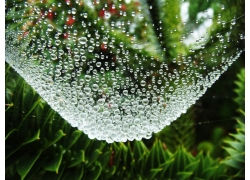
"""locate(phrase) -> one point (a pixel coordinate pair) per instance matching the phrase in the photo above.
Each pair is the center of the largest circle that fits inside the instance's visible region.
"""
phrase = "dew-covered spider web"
(122, 69)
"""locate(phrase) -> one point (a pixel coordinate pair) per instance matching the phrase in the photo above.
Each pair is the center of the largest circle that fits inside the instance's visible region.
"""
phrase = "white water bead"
(98, 64)
(82, 40)
(53, 57)
(90, 48)
(87, 78)
(143, 83)
(95, 87)
(50, 27)
(105, 40)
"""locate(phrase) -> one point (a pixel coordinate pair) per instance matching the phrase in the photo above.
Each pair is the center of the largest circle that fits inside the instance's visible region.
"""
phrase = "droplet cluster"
(90, 64)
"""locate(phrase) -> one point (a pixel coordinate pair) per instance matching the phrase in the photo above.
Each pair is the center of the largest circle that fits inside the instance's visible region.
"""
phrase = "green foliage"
(235, 145)
(240, 90)
(169, 21)
(181, 132)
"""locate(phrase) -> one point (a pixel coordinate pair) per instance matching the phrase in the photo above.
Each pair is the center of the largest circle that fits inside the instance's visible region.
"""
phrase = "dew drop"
(95, 87)
(90, 48)
(53, 57)
(50, 28)
(82, 40)
(233, 21)
(73, 11)
(106, 114)
(121, 44)
(143, 83)
(125, 92)
(105, 40)
(57, 42)
(88, 78)
(98, 64)
(171, 88)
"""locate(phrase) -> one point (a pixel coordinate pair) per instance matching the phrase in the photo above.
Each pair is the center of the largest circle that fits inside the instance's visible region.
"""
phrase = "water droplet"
(221, 39)
(105, 40)
(73, 11)
(143, 83)
(60, 52)
(90, 48)
(57, 42)
(87, 90)
(88, 78)
(50, 28)
(53, 57)
(102, 70)
(125, 92)
(98, 64)
(77, 58)
(83, 24)
(83, 40)
(95, 87)
(121, 44)
(106, 114)
(171, 88)
(233, 21)
(83, 58)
